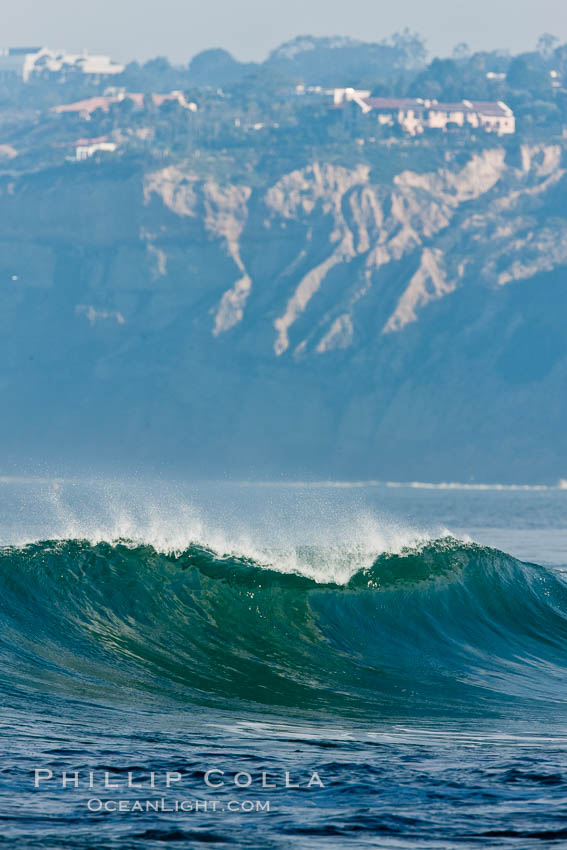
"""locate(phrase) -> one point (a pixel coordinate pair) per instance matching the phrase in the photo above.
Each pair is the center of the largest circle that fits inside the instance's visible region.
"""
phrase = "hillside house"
(415, 115)
(25, 62)
(86, 148)
(86, 107)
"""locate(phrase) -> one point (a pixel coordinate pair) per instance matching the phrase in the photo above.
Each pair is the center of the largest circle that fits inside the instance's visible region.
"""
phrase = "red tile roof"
(494, 108)
(450, 107)
(91, 141)
(394, 103)
(92, 103)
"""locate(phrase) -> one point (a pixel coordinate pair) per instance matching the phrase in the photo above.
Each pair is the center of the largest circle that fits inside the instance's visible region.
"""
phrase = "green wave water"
(446, 627)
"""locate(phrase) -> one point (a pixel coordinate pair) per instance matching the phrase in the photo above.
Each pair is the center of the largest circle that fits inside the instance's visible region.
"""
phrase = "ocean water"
(282, 665)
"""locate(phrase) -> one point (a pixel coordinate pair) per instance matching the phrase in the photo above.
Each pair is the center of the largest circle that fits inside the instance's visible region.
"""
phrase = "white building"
(17, 61)
(349, 94)
(415, 115)
(407, 112)
(27, 61)
(85, 108)
(495, 117)
(83, 152)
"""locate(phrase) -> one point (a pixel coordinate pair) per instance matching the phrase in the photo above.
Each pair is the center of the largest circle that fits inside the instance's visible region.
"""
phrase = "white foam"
(304, 533)
(416, 485)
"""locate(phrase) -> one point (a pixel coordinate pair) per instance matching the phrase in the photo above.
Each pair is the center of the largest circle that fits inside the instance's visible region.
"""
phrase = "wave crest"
(444, 626)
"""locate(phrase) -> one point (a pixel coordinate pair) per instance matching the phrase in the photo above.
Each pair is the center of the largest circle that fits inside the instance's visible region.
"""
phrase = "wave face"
(446, 627)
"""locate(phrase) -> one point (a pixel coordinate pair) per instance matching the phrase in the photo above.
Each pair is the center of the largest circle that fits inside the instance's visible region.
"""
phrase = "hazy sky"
(140, 29)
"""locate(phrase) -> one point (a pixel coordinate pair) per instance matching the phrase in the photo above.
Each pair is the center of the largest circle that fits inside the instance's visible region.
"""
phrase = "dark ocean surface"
(313, 666)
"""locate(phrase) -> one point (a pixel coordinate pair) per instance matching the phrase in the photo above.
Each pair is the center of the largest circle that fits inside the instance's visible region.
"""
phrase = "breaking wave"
(442, 627)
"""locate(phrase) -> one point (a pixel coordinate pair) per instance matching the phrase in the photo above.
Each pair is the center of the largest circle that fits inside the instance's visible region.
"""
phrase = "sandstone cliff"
(316, 323)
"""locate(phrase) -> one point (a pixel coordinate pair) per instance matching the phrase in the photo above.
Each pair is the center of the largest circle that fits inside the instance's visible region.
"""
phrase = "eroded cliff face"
(350, 327)
(476, 224)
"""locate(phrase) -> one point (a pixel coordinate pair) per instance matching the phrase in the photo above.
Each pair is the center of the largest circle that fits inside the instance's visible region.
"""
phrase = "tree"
(521, 75)
(411, 46)
(461, 51)
(560, 61)
(159, 65)
(381, 89)
(546, 45)
(442, 79)
(215, 67)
